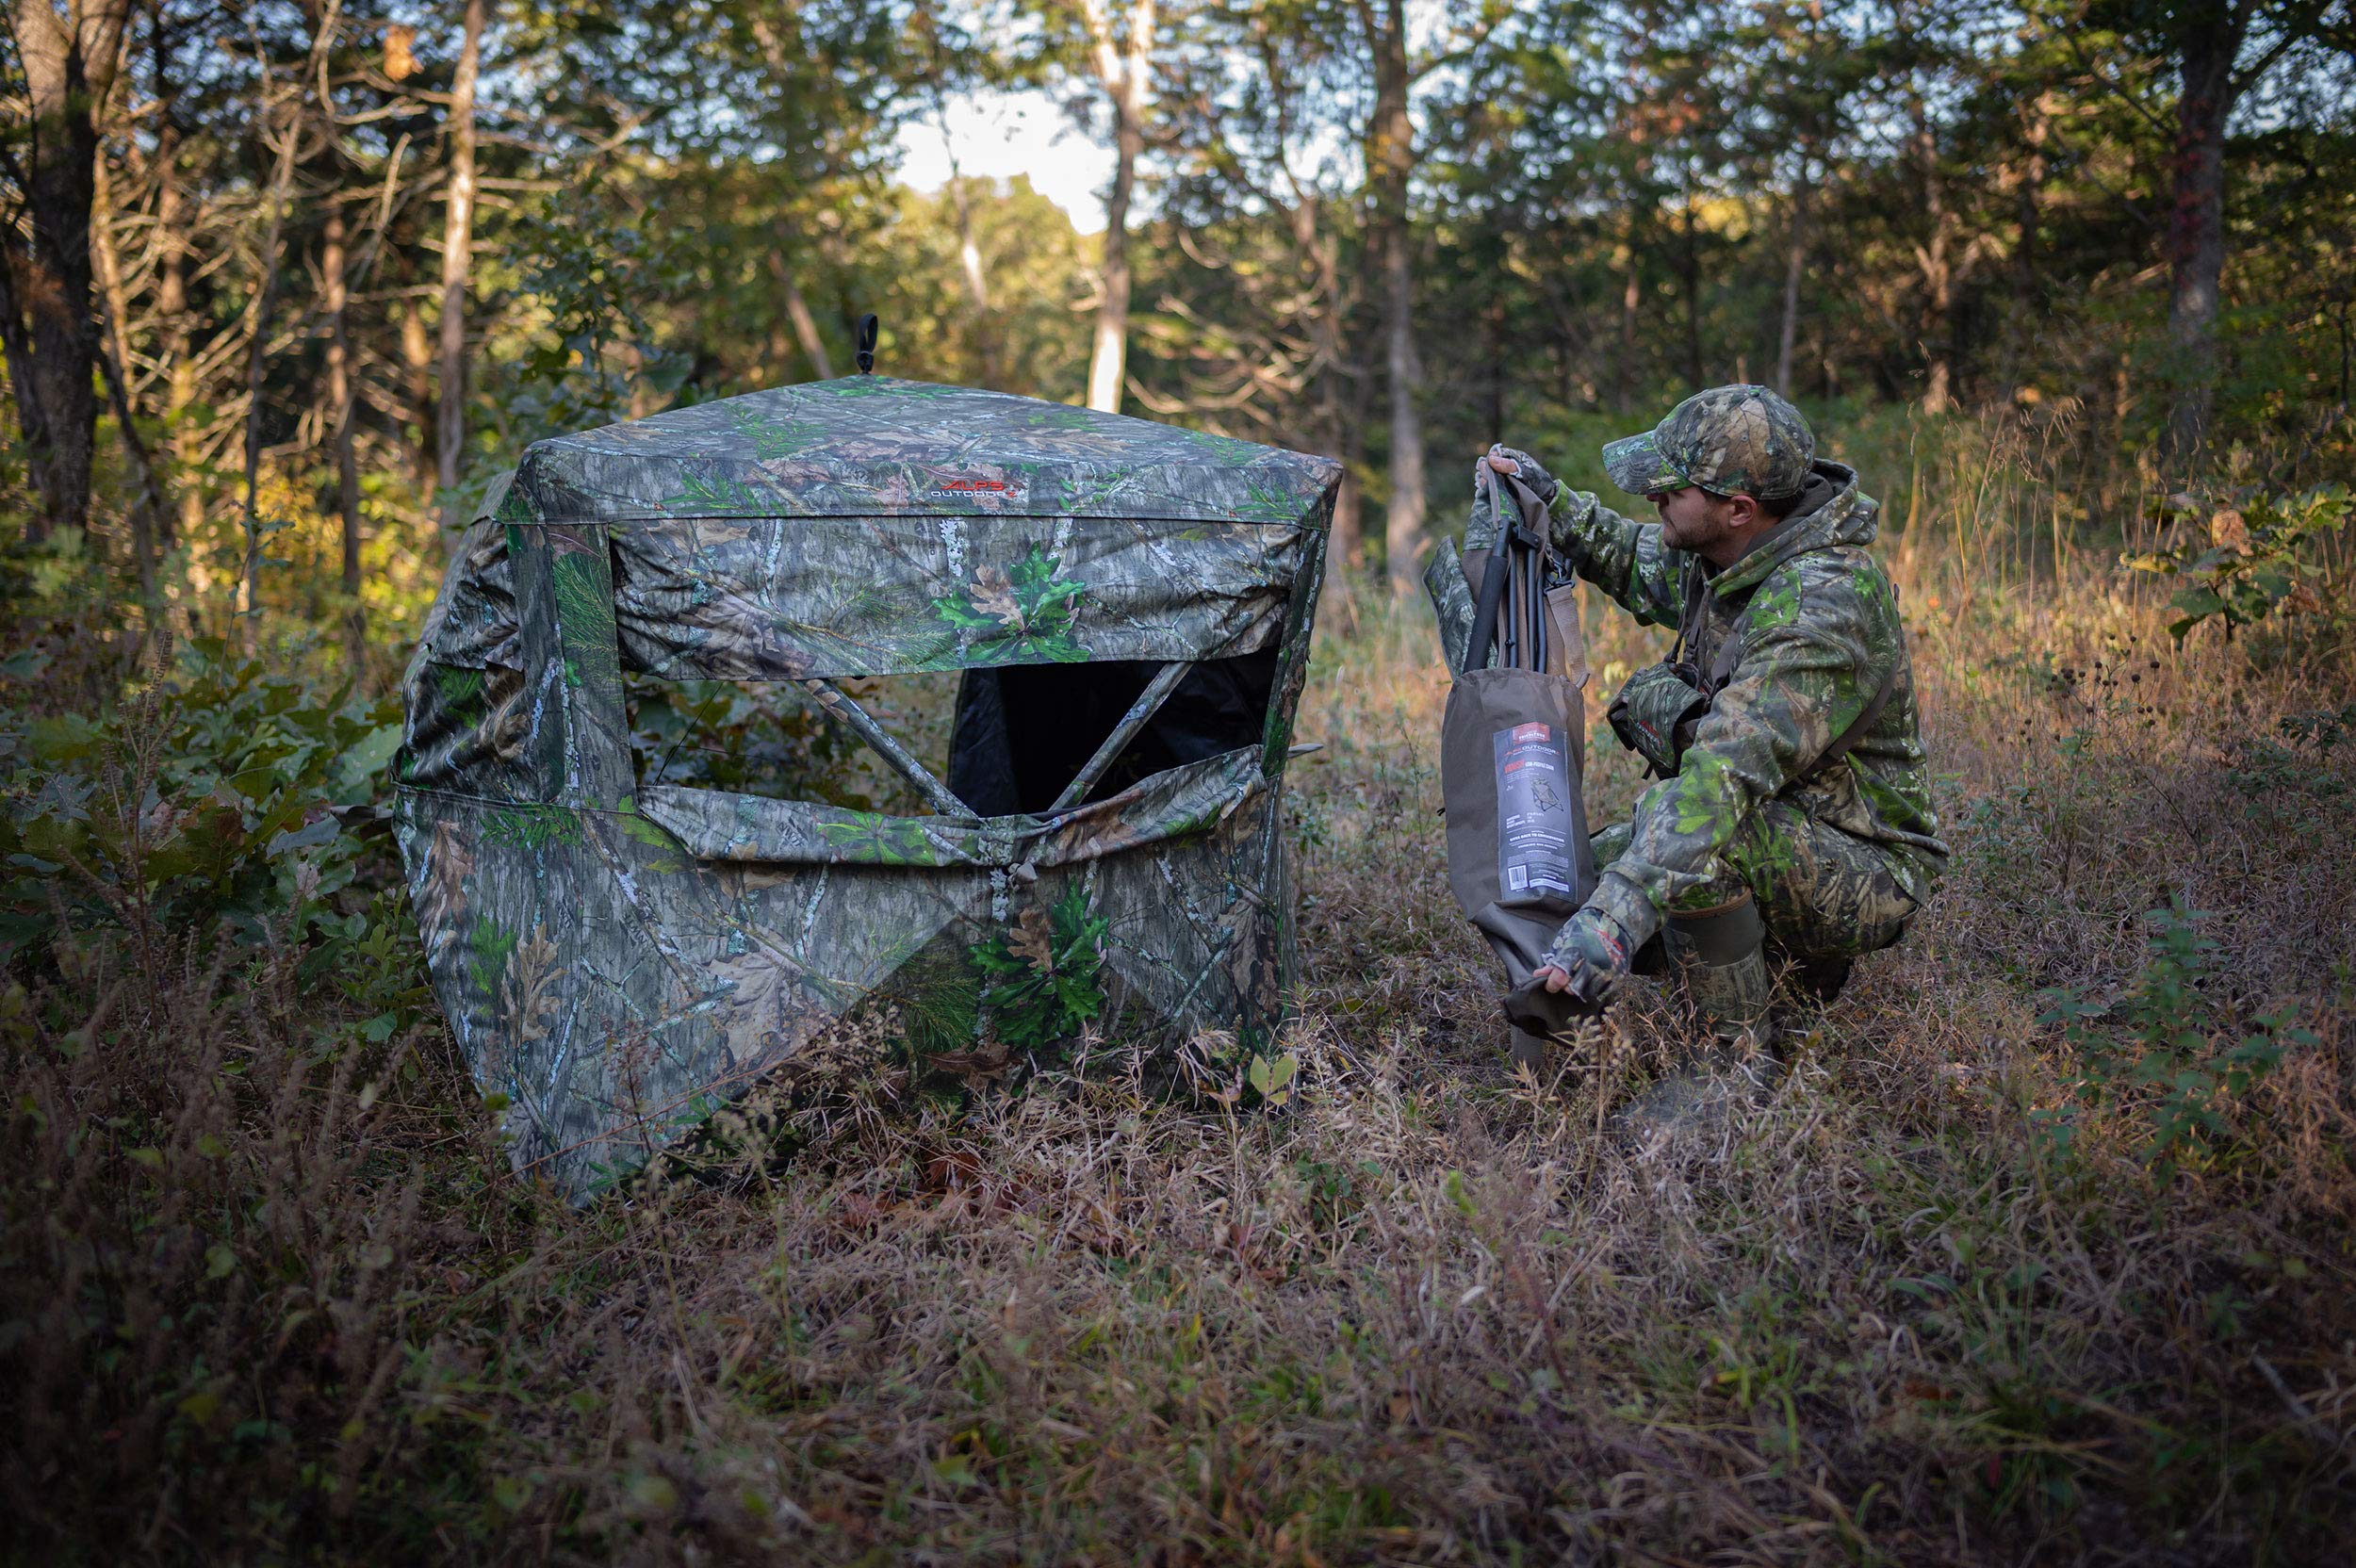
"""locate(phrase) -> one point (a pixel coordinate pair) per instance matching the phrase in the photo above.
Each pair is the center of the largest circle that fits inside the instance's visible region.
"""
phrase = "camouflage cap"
(1728, 440)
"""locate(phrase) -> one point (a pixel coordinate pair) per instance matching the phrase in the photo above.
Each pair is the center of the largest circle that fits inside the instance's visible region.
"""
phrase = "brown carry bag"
(1512, 752)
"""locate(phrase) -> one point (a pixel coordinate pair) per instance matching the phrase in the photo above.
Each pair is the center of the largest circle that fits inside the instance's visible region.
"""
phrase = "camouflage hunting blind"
(1130, 606)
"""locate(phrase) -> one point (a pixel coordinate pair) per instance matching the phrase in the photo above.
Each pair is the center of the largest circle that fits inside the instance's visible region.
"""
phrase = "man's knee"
(1825, 894)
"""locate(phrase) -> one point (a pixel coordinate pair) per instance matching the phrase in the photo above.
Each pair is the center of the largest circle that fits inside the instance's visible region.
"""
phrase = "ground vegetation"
(2037, 1249)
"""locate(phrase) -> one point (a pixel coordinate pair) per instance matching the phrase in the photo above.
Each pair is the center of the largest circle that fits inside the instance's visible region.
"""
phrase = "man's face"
(1694, 519)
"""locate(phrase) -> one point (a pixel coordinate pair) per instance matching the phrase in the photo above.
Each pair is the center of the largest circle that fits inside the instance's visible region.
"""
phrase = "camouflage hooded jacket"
(1816, 622)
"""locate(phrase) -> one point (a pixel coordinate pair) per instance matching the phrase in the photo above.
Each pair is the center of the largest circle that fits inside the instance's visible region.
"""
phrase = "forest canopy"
(287, 284)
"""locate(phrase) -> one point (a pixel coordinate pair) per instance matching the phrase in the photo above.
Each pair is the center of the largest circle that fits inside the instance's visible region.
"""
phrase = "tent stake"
(838, 707)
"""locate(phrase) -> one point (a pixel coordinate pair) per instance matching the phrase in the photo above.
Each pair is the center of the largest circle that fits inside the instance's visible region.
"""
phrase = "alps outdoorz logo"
(968, 488)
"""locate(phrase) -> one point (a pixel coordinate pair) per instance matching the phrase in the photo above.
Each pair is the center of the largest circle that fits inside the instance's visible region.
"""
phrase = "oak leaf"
(1032, 941)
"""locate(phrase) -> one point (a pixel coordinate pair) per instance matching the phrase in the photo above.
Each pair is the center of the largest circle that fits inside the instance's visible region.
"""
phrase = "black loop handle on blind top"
(867, 344)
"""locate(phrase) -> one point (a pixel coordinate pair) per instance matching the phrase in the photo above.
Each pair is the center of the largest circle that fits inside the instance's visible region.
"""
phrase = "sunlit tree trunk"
(1337, 414)
(1390, 161)
(457, 250)
(172, 310)
(2036, 130)
(977, 283)
(1343, 543)
(148, 513)
(797, 312)
(416, 363)
(1935, 259)
(340, 398)
(1122, 71)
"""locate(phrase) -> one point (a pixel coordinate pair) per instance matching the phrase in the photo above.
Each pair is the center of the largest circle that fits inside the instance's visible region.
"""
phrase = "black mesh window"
(1024, 731)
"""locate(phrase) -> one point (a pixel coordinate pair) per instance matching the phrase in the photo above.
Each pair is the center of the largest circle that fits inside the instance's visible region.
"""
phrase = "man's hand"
(1505, 460)
(1482, 533)
(1588, 957)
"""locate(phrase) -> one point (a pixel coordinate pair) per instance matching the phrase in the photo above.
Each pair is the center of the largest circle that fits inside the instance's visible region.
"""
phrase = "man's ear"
(1743, 510)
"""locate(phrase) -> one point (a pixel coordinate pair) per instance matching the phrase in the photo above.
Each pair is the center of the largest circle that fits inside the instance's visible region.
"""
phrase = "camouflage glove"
(1481, 534)
(1591, 952)
(1542, 484)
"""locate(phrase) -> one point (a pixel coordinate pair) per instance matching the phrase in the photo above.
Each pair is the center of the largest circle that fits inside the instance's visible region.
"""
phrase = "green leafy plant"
(1044, 983)
(2167, 1046)
(2280, 783)
(745, 737)
(230, 798)
(1273, 1078)
(1019, 614)
(2249, 566)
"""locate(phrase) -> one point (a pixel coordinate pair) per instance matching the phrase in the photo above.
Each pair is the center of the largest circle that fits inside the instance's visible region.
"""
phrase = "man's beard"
(1687, 535)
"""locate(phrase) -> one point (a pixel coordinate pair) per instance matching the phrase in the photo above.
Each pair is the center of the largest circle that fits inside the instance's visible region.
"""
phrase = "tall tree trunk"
(172, 310)
(109, 264)
(148, 514)
(1123, 75)
(2211, 34)
(416, 363)
(1390, 161)
(1631, 296)
(797, 312)
(457, 248)
(1935, 258)
(1689, 266)
(69, 58)
(339, 396)
(257, 353)
(1337, 413)
(1794, 264)
(1343, 544)
(2036, 130)
(977, 283)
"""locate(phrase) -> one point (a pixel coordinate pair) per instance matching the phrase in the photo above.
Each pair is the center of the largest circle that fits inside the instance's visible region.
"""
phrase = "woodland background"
(286, 284)
(2040, 1248)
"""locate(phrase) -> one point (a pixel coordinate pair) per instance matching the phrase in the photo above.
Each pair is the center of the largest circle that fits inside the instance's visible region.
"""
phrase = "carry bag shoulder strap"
(1856, 731)
(1728, 655)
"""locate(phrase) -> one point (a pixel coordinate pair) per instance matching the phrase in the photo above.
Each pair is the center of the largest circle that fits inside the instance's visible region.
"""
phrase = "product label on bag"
(1534, 785)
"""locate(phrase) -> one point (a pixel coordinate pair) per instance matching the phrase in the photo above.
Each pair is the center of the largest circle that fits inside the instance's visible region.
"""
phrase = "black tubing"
(1485, 627)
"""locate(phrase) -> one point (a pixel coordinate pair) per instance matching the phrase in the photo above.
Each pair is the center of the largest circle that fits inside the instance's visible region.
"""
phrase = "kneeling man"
(1792, 816)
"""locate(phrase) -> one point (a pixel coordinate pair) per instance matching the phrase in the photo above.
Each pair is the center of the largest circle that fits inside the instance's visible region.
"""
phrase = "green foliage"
(1019, 615)
(592, 274)
(746, 738)
(1273, 1078)
(2255, 560)
(2168, 1047)
(2283, 783)
(228, 800)
(1044, 983)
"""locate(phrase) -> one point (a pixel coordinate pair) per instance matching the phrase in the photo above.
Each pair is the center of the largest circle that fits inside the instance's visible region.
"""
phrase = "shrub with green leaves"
(227, 800)
(2253, 560)
(1044, 984)
(745, 737)
(2169, 1048)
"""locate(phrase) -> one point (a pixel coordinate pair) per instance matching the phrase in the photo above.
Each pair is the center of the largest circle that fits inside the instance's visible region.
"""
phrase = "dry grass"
(261, 1302)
